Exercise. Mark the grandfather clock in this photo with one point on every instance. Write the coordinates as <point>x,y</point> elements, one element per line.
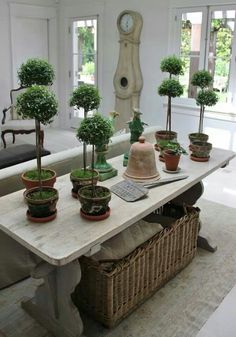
<point>128,81</point>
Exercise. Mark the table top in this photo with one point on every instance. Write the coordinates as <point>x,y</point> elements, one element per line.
<point>69,236</point>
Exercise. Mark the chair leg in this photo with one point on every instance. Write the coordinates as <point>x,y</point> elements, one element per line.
<point>3,139</point>
<point>13,137</point>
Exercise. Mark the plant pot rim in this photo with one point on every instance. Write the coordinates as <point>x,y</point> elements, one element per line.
<point>164,132</point>
<point>198,133</point>
<point>35,189</point>
<point>95,198</point>
<point>81,178</point>
<point>35,180</point>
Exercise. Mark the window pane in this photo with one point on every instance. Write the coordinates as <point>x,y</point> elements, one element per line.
<point>191,27</point>
<point>84,55</point>
<point>220,50</point>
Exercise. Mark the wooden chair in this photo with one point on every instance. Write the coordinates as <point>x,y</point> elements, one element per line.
<point>14,124</point>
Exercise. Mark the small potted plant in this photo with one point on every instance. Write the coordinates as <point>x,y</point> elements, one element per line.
<point>172,152</point>
<point>205,97</point>
<point>171,88</point>
<point>39,103</point>
<point>40,72</point>
<point>94,199</point>
<point>87,97</point>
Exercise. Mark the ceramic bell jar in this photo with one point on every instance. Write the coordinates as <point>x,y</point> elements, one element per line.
<point>142,162</point>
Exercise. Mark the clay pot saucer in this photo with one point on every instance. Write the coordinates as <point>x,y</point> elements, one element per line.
<point>95,217</point>
<point>41,220</point>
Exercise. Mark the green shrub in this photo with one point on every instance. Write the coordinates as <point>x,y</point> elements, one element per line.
<point>202,79</point>
<point>170,87</point>
<point>172,65</point>
<point>37,102</point>
<point>96,130</point>
<point>86,96</point>
<point>36,71</point>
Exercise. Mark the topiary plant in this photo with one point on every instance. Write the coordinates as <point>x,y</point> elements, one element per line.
<point>35,71</point>
<point>205,96</point>
<point>96,131</point>
<point>86,96</point>
<point>171,87</point>
<point>38,103</point>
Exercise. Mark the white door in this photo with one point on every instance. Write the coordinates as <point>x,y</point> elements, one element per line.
<point>31,35</point>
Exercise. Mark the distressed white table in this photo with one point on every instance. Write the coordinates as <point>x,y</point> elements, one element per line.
<point>60,242</point>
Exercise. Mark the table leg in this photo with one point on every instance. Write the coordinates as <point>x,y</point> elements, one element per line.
<point>52,305</point>
<point>205,242</point>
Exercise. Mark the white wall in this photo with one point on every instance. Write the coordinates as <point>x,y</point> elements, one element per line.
<point>154,40</point>
<point>5,43</point>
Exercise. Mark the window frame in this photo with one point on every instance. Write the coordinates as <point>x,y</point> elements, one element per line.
<point>74,120</point>
<point>204,51</point>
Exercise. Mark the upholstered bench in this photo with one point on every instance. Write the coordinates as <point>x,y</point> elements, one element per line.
<point>18,154</point>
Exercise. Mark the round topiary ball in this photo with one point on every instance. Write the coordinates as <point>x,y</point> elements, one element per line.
<point>35,71</point>
<point>96,130</point>
<point>172,65</point>
<point>86,96</point>
<point>171,88</point>
<point>202,79</point>
<point>37,102</point>
<point>206,98</point>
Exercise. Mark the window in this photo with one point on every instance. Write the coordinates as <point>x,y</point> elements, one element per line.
<point>206,40</point>
<point>84,50</point>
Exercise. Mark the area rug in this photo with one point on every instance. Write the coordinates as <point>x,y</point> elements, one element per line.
<point>179,309</point>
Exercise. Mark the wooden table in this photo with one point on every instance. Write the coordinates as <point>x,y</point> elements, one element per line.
<point>60,242</point>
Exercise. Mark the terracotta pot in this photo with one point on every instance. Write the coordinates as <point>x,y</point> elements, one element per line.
<point>29,183</point>
<point>41,210</point>
<point>198,137</point>
<point>200,151</point>
<point>171,160</point>
<point>163,135</point>
<point>79,182</point>
<point>94,206</point>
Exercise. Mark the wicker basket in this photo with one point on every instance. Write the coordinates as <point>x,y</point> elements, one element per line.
<point>110,291</point>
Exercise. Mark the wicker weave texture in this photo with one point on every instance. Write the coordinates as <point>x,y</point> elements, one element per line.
<point>110,294</point>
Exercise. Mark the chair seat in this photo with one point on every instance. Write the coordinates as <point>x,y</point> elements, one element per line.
<point>26,124</point>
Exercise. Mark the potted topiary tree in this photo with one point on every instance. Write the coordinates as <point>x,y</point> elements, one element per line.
<point>205,97</point>
<point>94,199</point>
<point>40,72</point>
<point>171,88</point>
<point>87,97</point>
<point>39,103</point>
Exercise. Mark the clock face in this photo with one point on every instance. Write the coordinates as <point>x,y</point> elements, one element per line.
<point>126,22</point>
